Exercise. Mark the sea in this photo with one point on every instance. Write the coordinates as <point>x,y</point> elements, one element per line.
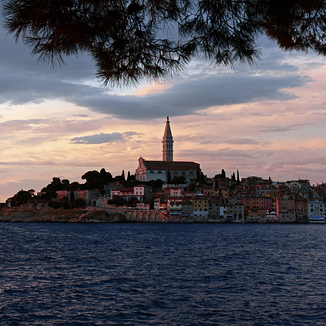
<point>162,274</point>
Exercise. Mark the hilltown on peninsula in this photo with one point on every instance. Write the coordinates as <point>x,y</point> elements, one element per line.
<point>169,191</point>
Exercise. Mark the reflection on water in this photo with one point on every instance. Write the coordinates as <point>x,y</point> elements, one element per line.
<point>162,274</point>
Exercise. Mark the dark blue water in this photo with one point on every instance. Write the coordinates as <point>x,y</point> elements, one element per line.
<point>162,274</point>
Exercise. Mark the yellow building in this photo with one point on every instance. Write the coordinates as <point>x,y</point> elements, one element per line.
<point>200,206</point>
<point>221,193</point>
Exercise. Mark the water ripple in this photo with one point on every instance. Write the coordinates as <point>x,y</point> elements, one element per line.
<point>157,274</point>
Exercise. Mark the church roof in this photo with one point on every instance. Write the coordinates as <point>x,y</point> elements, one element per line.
<point>171,165</point>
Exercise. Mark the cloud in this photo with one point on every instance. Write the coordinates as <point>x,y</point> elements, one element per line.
<point>18,125</point>
<point>103,138</point>
<point>25,80</point>
<point>241,141</point>
<point>153,88</point>
<point>190,97</point>
<point>50,126</point>
<point>282,129</point>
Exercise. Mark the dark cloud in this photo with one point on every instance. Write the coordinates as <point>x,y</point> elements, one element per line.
<point>25,80</point>
<point>103,138</point>
<point>81,115</point>
<point>284,128</point>
<point>192,96</point>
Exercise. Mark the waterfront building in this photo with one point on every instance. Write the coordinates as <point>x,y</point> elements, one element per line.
<point>214,208</point>
<point>238,212</point>
<point>316,210</point>
<point>285,209</point>
<point>200,207</point>
<point>258,205</point>
<point>167,169</point>
<point>301,208</point>
<point>175,205</point>
<point>89,196</point>
<point>141,192</point>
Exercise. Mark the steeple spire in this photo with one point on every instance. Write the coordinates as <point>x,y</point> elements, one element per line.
<point>167,142</point>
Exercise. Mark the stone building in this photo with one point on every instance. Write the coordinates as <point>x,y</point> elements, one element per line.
<point>167,168</point>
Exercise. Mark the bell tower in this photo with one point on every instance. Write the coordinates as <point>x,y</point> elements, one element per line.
<point>167,142</point>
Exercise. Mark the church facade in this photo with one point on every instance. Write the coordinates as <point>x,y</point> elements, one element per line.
<point>153,170</point>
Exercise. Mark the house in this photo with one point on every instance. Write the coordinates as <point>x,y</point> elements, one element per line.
<point>141,192</point>
<point>285,209</point>
<point>200,207</point>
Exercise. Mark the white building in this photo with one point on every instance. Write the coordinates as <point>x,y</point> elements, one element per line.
<point>316,210</point>
<point>153,170</point>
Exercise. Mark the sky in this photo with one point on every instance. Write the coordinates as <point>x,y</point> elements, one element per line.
<point>267,120</point>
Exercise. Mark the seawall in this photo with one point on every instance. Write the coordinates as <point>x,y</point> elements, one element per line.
<point>60,216</point>
<point>89,216</point>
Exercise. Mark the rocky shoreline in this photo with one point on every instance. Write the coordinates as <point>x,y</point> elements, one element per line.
<point>101,216</point>
<point>61,216</point>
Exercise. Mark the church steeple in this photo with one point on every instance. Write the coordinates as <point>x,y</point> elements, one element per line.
<point>167,142</point>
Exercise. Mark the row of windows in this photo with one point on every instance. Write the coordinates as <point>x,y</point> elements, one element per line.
<point>183,174</point>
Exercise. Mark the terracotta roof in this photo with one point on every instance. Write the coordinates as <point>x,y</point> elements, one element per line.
<point>166,165</point>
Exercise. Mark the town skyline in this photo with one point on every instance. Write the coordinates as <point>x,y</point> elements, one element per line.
<point>266,120</point>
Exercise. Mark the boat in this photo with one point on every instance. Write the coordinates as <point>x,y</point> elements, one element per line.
<point>317,219</point>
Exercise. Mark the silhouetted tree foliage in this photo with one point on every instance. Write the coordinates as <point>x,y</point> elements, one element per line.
<point>22,197</point>
<point>49,191</point>
<point>178,180</point>
<point>233,177</point>
<point>221,175</point>
<point>116,200</point>
<point>192,186</point>
<point>120,178</point>
<point>156,184</point>
<point>47,194</point>
<point>74,186</point>
<point>72,197</point>
<point>200,176</point>
<point>95,179</point>
<point>66,183</point>
<point>130,40</point>
<point>79,203</point>
<point>133,201</point>
<point>106,176</point>
<point>168,177</point>
<point>59,204</point>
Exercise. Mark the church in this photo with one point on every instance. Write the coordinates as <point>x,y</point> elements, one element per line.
<point>153,170</point>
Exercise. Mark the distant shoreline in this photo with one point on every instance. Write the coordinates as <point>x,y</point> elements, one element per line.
<point>104,216</point>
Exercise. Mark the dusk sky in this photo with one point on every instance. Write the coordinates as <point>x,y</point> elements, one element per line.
<point>267,120</point>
